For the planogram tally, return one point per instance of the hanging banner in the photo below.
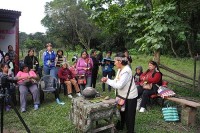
(7, 35)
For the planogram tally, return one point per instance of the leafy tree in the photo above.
(22, 38)
(67, 22)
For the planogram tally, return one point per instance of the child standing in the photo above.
(138, 72)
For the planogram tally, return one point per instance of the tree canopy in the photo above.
(171, 27)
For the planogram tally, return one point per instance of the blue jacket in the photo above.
(49, 59)
(107, 67)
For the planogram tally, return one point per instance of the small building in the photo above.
(9, 32)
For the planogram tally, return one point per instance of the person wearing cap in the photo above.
(107, 69)
(68, 78)
(138, 72)
(49, 57)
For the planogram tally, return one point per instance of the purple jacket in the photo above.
(84, 63)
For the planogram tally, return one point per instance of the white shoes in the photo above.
(142, 110)
(78, 94)
(70, 96)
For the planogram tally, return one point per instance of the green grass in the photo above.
(54, 118)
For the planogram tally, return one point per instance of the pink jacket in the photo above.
(24, 75)
(84, 63)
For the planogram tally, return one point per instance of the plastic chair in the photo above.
(48, 84)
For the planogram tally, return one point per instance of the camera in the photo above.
(5, 80)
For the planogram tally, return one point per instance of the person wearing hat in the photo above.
(107, 69)
(68, 78)
(138, 72)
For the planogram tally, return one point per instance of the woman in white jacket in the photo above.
(121, 83)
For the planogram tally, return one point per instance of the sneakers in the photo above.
(142, 110)
(70, 96)
(36, 107)
(78, 94)
(139, 100)
(59, 102)
(23, 110)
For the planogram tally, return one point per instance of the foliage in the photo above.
(67, 22)
(163, 23)
(153, 24)
(35, 41)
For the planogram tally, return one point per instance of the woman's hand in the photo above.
(29, 77)
(104, 79)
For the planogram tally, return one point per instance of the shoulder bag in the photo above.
(121, 101)
(81, 78)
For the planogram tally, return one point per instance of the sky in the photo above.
(32, 12)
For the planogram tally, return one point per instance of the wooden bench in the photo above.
(189, 110)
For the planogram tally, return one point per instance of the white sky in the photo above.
(32, 12)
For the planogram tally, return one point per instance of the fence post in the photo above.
(194, 78)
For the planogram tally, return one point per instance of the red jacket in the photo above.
(149, 78)
(65, 74)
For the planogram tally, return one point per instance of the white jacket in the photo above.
(122, 82)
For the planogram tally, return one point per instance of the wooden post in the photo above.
(17, 45)
(199, 82)
(156, 57)
(188, 115)
(194, 78)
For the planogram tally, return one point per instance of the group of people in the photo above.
(133, 87)
(128, 86)
(8, 58)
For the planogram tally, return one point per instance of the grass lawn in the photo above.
(54, 118)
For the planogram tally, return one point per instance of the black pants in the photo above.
(109, 76)
(94, 79)
(128, 116)
(146, 94)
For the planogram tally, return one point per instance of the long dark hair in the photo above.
(59, 51)
(83, 52)
(30, 51)
(156, 67)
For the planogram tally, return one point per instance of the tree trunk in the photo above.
(156, 57)
(172, 46)
(189, 48)
(199, 82)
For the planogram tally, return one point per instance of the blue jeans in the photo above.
(88, 84)
(50, 71)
